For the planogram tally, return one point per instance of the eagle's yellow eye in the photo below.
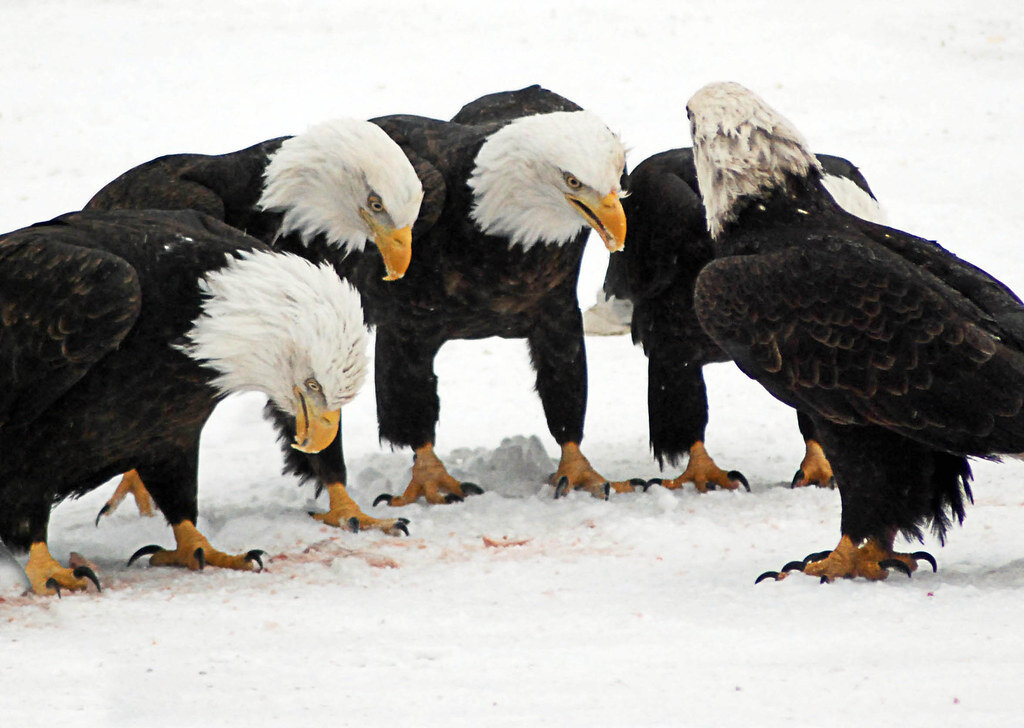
(375, 204)
(572, 182)
(313, 385)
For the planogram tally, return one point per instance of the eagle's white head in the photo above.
(349, 181)
(543, 178)
(276, 323)
(742, 149)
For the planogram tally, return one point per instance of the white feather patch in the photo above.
(518, 178)
(853, 199)
(742, 148)
(320, 179)
(271, 321)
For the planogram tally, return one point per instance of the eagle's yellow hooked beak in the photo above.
(605, 215)
(315, 428)
(395, 246)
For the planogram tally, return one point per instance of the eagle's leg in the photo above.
(431, 480)
(815, 468)
(173, 484)
(408, 409)
(194, 552)
(47, 576)
(344, 512)
(677, 406)
(871, 559)
(576, 472)
(888, 484)
(558, 353)
(132, 484)
(703, 472)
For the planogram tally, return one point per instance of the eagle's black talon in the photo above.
(797, 478)
(471, 489)
(353, 524)
(453, 498)
(652, 481)
(816, 556)
(256, 555)
(767, 575)
(824, 580)
(87, 573)
(832, 482)
(144, 551)
(607, 490)
(382, 498)
(737, 475)
(103, 511)
(925, 556)
(200, 556)
(51, 583)
(400, 526)
(894, 564)
(794, 566)
(638, 483)
(562, 487)
(402, 520)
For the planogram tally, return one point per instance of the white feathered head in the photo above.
(348, 181)
(543, 178)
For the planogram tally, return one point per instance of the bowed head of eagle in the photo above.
(657, 271)
(907, 359)
(120, 332)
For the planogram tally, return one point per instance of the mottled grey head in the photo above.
(743, 149)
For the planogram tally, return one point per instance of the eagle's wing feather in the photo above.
(508, 105)
(62, 308)
(667, 233)
(859, 336)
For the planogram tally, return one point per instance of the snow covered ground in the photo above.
(513, 609)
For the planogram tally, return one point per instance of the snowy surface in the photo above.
(513, 608)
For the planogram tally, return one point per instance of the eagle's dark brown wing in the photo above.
(62, 308)
(855, 334)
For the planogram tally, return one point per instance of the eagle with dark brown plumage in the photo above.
(120, 332)
(907, 359)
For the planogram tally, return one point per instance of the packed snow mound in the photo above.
(520, 467)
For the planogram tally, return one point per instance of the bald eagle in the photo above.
(907, 359)
(668, 246)
(328, 192)
(520, 179)
(508, 201)
(120, 332)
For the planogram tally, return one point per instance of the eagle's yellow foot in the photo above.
(702, 471)
(47, 576)
(815, 468)
(132, 484)
(870, 559)
(575, 472)
(431, 480)
(344, 512)
(195, 552)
